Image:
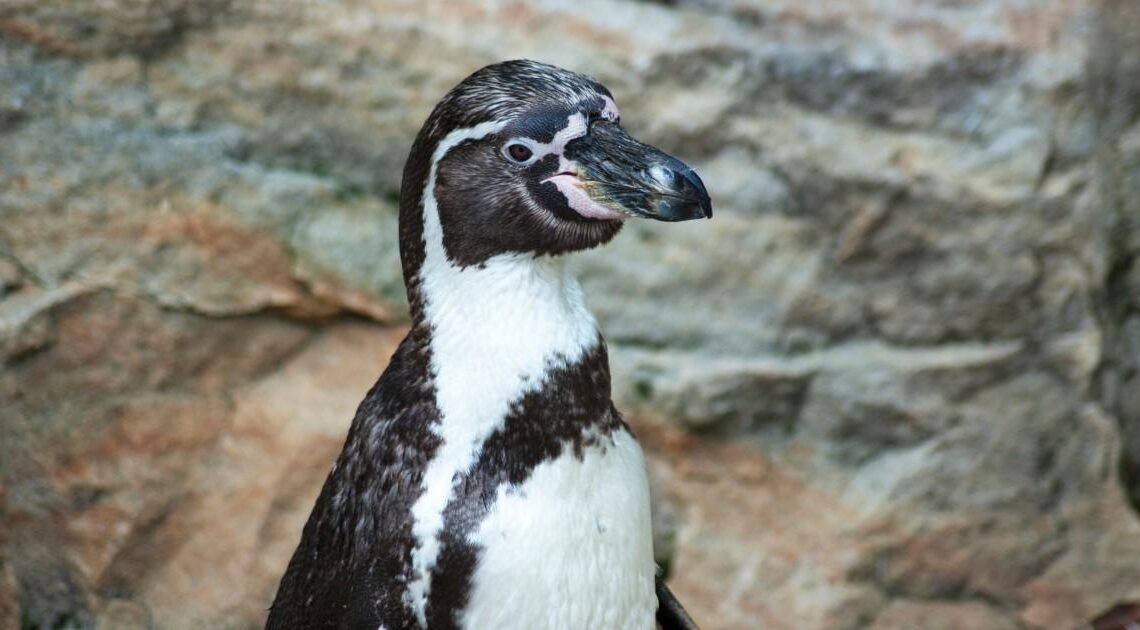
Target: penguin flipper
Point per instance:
(671, 614)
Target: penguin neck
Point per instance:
(514, 313)
(496, 329)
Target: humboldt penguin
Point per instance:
(487, 481)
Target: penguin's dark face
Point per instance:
(544, 167)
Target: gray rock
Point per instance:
(886, 386)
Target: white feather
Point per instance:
(570, 548)
(495, 329)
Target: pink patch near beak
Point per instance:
(579, 201)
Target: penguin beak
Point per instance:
(629, 178)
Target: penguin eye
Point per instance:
(519, 152)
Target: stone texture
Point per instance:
(1115, 67)
(893, 383)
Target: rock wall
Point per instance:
(895, 383)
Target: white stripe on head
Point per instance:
(495, 330)
(576, 127)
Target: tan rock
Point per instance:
(890, 385)
(903, 614)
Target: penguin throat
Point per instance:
(506, 313)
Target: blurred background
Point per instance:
(894, 383)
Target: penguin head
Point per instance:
(526, 158)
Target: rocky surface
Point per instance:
(895, 383)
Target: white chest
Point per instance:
(571, 547)
(496, 332)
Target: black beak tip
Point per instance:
(694, 202)
(706, 206)
(702, 193)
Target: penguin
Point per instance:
(487, 480)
